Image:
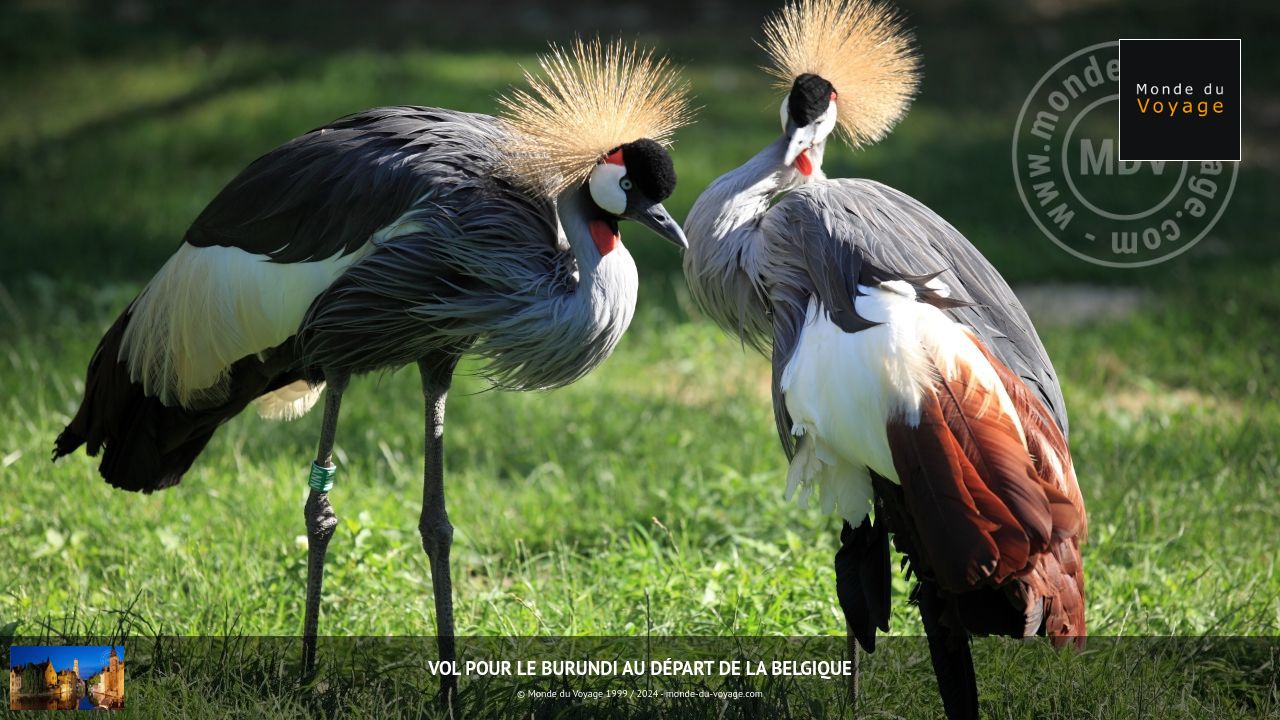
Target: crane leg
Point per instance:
(952, 659)
(320, 520)
(433, 524)
(856, 658)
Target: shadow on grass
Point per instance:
(240, 78)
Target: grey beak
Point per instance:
(801, 139)
(656, 218)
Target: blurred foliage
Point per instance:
(121, 119)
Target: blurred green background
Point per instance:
(648, 497)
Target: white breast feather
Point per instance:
(842, 389)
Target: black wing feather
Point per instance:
(862, 580)
(326, 192)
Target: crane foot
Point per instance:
(437, 540)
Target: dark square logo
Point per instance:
(1179, 100)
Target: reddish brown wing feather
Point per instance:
(955, 536)
(965, 471)
(991, 443)
(1062, 569)
(989, 509)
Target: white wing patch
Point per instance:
(842, 389)
(211, 306)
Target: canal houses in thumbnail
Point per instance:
(50, 677)
(41, 678)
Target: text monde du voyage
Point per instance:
(1179, 99)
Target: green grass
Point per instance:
(645, 499)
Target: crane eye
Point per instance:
(624, 183)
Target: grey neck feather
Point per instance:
(556, 340)
(726, 246)
(608, 285)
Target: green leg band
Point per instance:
(321, 479)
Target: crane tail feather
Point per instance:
(862, 580)
(118, 421)
(146, 445)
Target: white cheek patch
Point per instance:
(826, 123)
(783, 114)
(605, 188)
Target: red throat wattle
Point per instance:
(605, 236)
(804, 164)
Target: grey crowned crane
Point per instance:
(395, 235)
(910, 389)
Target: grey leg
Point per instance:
(320, 520)
(855, 658)
(433, 524)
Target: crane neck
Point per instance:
(737, 199)
(726, 244)
(607, 278)
(553, 326)
(592, 319)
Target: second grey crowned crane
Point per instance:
(395, 235)
(907, 379)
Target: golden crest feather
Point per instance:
(588, 100)
(860, 47)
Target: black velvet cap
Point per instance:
(810, 96)
(650, 168)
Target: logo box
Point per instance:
(1180, 99)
